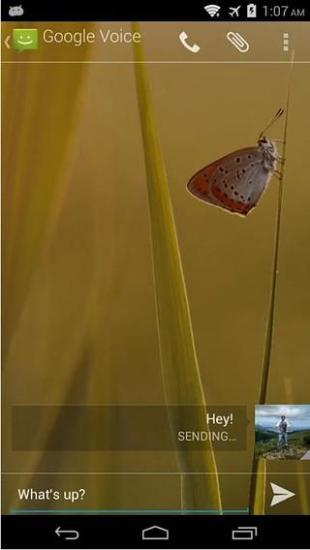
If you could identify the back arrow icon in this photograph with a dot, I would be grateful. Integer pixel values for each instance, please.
(279, 494)
(71, 535)
(7, 41)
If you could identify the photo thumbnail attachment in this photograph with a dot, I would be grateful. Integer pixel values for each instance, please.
(282, 432)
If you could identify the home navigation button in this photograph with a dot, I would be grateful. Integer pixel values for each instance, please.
(155, 533)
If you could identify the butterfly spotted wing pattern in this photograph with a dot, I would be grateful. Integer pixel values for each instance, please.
(234, 182)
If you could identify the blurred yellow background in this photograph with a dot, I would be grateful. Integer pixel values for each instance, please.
(78, 294)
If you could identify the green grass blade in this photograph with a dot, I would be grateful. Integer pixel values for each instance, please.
(260, 486)
(258, 482)
(40, 128)
(180, 370)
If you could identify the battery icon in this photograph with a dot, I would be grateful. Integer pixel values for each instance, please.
(251, 10)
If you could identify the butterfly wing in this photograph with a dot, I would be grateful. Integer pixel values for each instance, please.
(234, 182)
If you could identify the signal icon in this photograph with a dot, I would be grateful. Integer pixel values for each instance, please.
(212, 10)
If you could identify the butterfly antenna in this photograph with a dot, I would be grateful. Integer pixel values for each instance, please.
(278, 115)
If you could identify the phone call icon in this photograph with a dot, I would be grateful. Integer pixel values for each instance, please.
(194, 48)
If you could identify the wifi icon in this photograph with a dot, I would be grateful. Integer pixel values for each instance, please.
(212, 10)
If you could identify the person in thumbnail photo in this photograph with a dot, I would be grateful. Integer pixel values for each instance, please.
(282, 427)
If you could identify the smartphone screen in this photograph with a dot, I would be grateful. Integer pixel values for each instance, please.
(155, 275)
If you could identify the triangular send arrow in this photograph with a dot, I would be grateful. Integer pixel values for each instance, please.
(280, 494)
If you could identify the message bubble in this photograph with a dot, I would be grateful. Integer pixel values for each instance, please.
(131, 428)
(25, 39)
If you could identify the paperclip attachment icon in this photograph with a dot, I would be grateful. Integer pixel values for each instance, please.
(238, 41)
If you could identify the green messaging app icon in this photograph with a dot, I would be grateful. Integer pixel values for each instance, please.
(25, 39)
